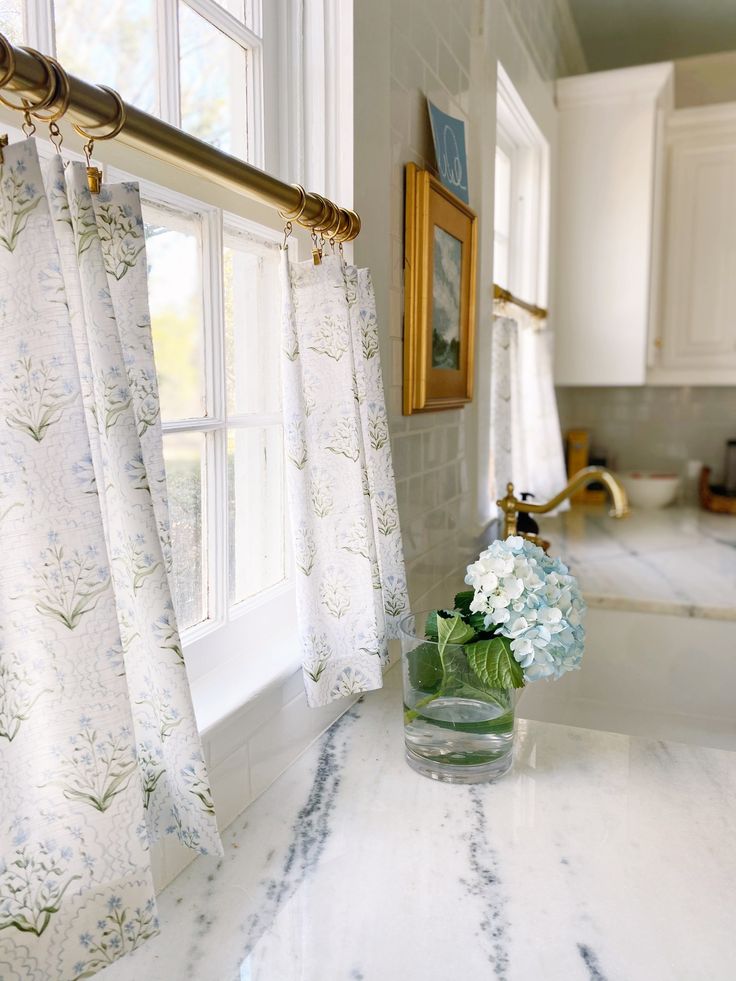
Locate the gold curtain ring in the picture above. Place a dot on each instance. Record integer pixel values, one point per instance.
(51, 85)
(349, 232)
(331, 232)
(297, 212)
(62, 93)
(315, 223)
(117, 122)
(355, 225)
(342, 227)
(9, 53)
(329, 221)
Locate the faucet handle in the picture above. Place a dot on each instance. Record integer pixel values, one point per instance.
(510, 507)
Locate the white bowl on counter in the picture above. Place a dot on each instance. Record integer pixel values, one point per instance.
(650, 488)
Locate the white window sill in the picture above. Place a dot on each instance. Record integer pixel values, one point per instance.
(234, 664)
(228, 688)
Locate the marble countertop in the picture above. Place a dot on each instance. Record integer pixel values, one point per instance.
(600, 857)
(680, 561)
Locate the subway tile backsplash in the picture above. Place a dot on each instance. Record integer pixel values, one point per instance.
(653, 427)
(431, 45)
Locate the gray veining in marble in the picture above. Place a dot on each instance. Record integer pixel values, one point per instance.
(678, 561)
(600, 857)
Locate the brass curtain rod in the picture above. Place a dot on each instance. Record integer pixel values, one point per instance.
(91, 106)
(499, 293)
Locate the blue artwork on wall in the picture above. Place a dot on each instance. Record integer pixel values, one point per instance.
(448, 134)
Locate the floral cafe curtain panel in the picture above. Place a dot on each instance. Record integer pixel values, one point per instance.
(504, 360)
(350, 578)
(541, 455)
(99, 750)
(525, 438)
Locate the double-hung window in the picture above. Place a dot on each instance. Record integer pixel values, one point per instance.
(198, 64)
(213, 287)
(213, 68)
(521, 198)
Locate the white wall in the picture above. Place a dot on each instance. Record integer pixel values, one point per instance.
(705, 79)
(406, 50)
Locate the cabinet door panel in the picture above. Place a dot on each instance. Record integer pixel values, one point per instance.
(698, 325)
(607, 156)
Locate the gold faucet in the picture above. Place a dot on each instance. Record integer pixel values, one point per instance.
(511, 505)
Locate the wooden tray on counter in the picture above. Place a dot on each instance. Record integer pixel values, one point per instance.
(711, 500)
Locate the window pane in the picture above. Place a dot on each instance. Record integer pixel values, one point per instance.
(252, 329)
(113, 43)
(213, 83)
(11, 20)
(184, 458)
(501, 261)
(501, 218)
(502, 193)
(234, 7)
(174, 246)
(255, 459)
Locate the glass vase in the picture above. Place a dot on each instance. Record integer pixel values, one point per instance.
(456, 729)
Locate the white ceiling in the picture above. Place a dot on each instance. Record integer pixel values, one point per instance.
(615, 33)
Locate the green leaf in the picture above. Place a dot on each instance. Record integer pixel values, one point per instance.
(452, 631)
(425, 667)
(463, 601)
(430, 627)
(476, 621)
(494, 663)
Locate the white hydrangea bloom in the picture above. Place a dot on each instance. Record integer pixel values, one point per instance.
(534, 601)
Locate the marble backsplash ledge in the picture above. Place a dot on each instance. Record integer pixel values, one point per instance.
(653, 427)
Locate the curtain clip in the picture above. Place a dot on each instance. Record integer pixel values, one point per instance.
(94, 180)
(316, 250)
(3, 144)
(94, 174)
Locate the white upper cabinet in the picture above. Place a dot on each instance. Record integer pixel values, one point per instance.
(606, 198)
(693, 337)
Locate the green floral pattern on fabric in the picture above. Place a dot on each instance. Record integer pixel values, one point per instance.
(99, 749)
(351, 583)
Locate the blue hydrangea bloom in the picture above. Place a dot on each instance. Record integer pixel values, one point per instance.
(534, 601)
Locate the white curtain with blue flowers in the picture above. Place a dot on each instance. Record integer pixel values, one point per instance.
(524, 443)
(350, 577)
(99, 750)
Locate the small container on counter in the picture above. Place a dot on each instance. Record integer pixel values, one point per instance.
(729, 473)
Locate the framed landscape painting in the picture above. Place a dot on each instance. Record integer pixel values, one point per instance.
(439, 296)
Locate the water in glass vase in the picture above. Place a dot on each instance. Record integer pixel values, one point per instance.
(456, 730)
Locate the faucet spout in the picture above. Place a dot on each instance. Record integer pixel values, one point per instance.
(511, 505)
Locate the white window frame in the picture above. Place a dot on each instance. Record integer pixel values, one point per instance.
(39, 29)
(220, 636)
(255, 641)
(520, 138)
(300, 74)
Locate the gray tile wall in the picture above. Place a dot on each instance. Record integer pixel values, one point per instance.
(654, 427)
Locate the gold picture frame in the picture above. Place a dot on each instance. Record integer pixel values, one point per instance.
(439, 296)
